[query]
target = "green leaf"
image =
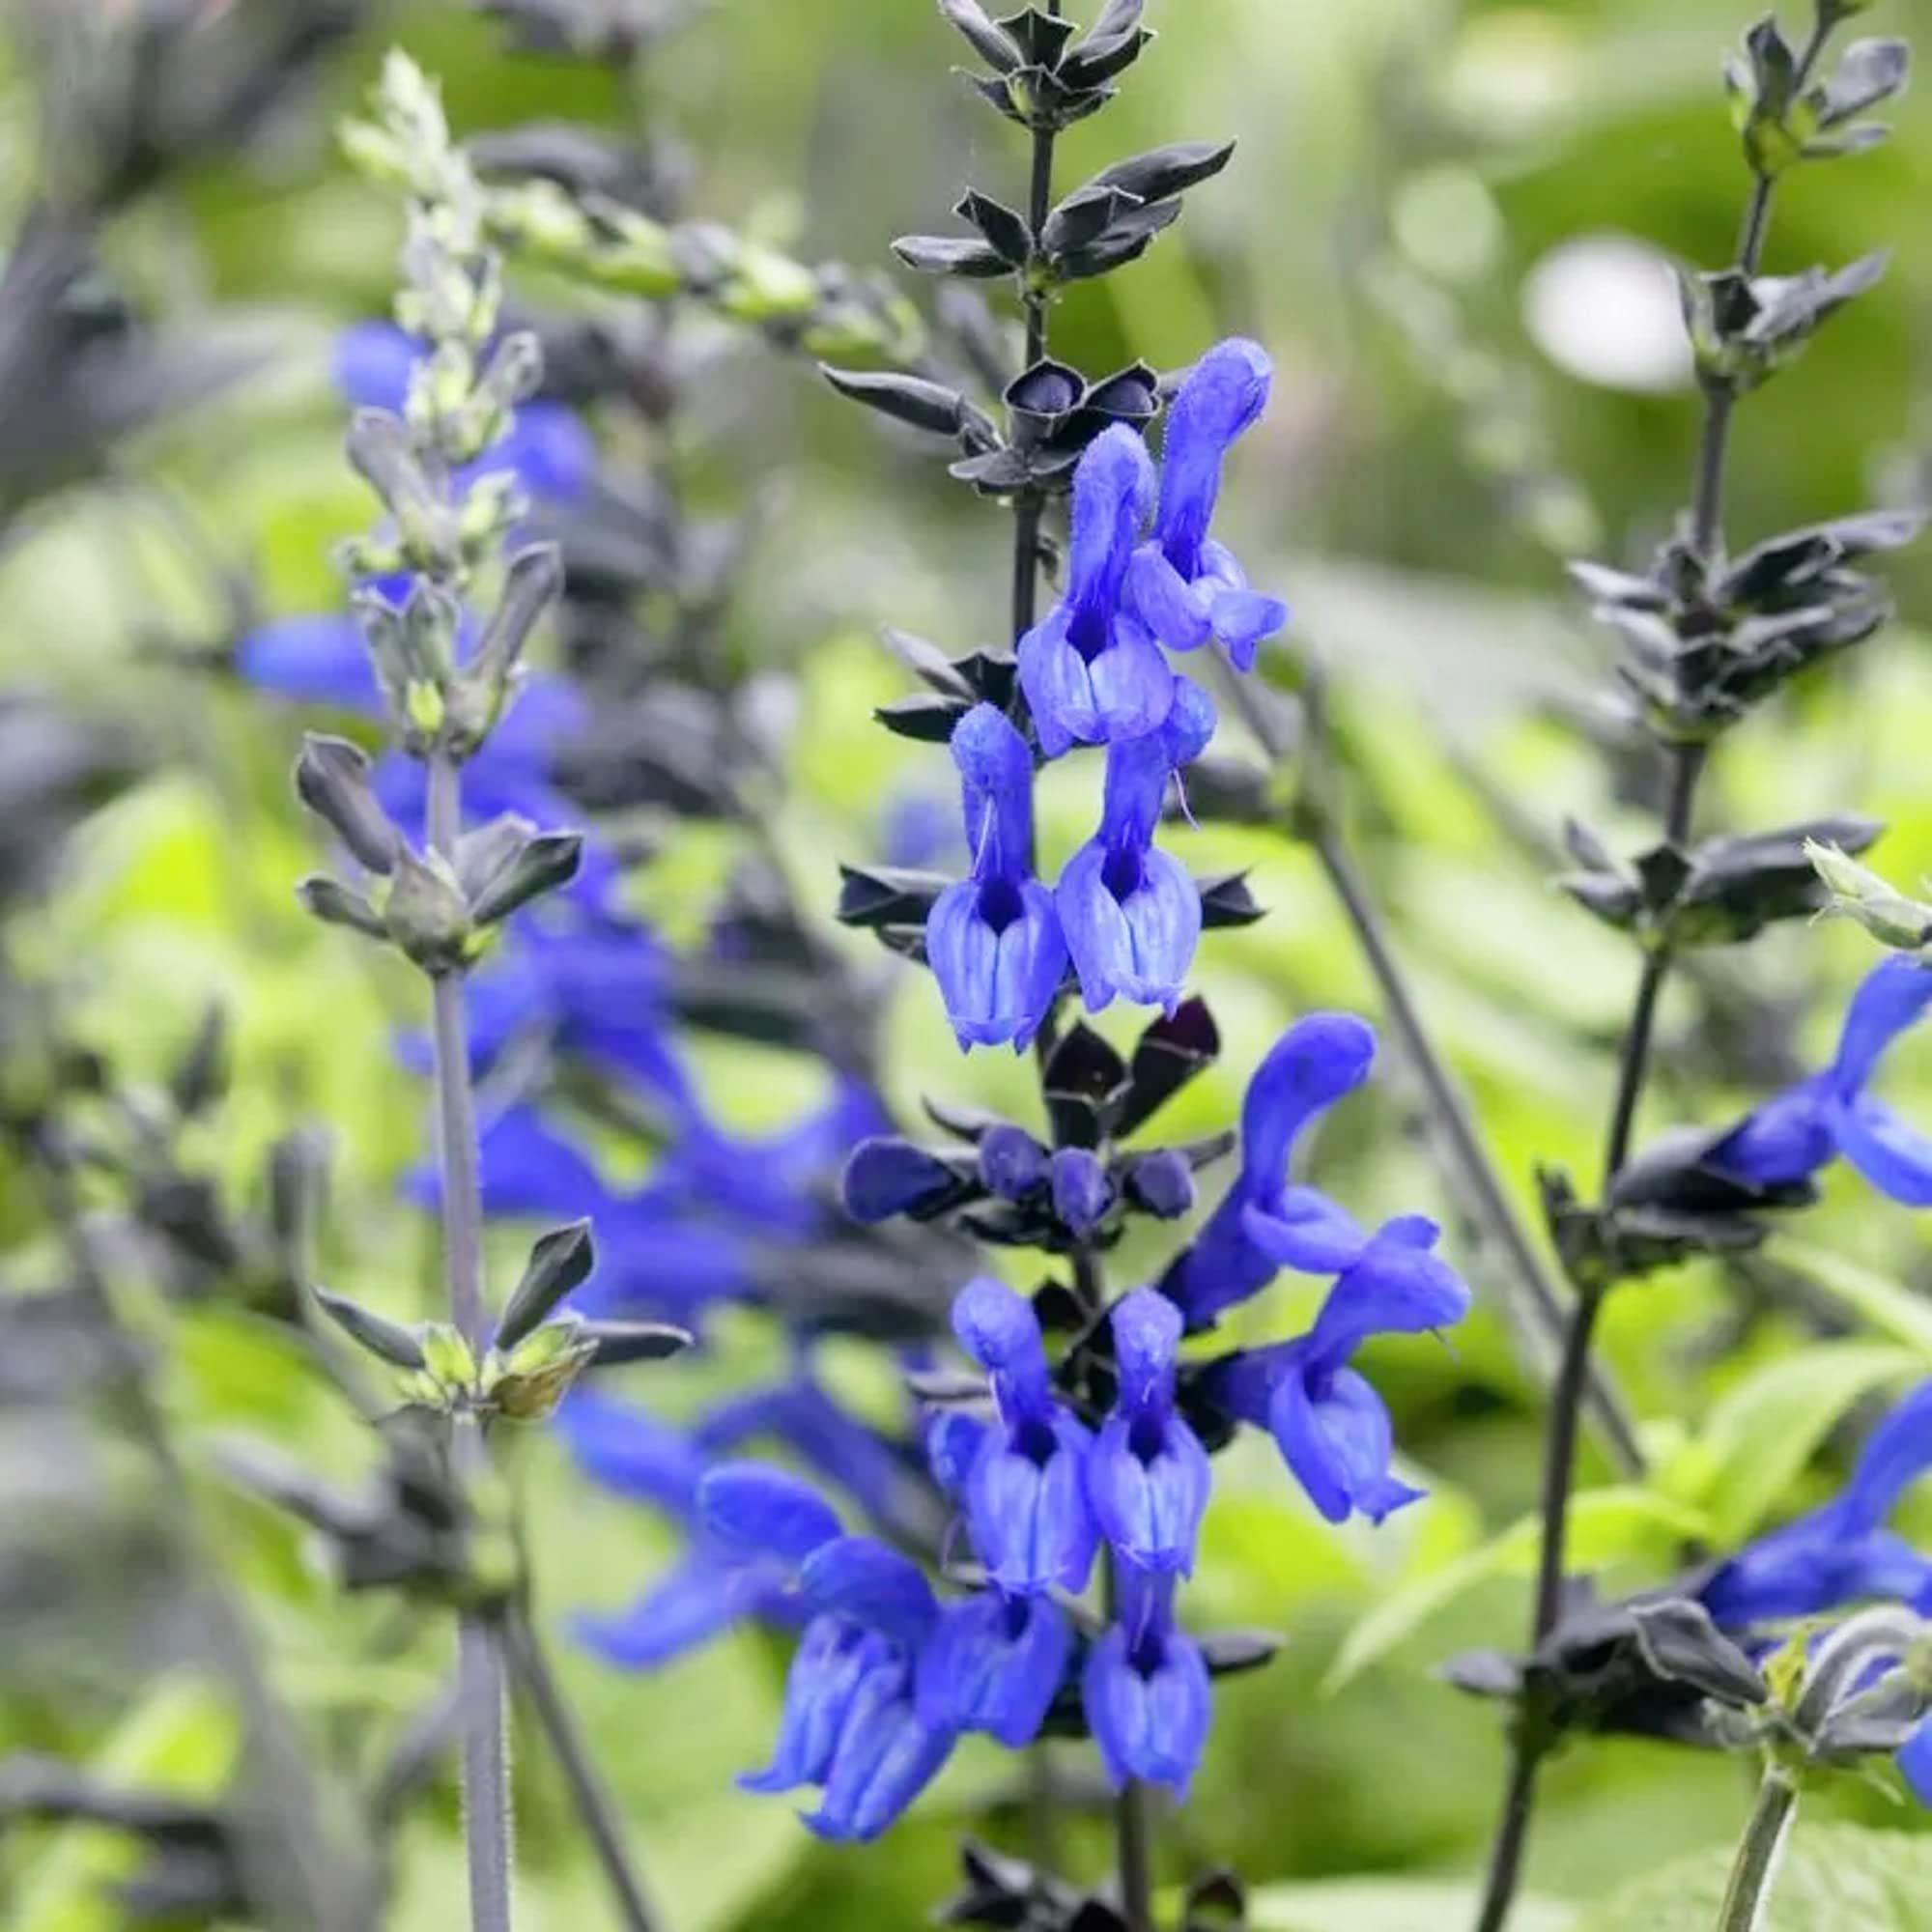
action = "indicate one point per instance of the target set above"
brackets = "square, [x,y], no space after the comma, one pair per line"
[1875,1299]
[1758,1438]
[1390,1905]
[1620,1524]
[1835,1878]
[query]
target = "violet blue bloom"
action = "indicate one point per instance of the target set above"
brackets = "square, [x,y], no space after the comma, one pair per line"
[1147,1474]
[1131,912]
[994,1664]
[1264,1222]
[1092,673]
[993,940]
[1332,1427]
[850,1724]
[1026,1493]
[1802,1130]
[1183,585]
[1146,1689]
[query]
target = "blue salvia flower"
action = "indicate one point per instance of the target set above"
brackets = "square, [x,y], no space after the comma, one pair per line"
[1130,913]
[1265,1223]
[1804,1127]
[1092,673]
[995,1664]
[1332,1427]
[851,1722]
[1146,1475]
[1183,585]
[1146,1689]
[993,940]
[1841,1554]
[1080,1188]
[1026,1491]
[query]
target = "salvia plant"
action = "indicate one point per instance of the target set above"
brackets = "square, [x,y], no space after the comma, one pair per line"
[1003,1547]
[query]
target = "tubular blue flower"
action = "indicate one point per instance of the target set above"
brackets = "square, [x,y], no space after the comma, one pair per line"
[1264,1223]
[1146,1690]
[1146,1476]
[1799,1130]
[1184,586]
[1082,1193]
[994,1664]
[1026,1493]
[993,940]
[1131,912]
[801,1415]
[1090,672]
[1330,1424]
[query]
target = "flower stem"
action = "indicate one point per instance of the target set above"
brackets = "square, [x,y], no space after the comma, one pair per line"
[1685,767]
[594,1805]
[1760,1852]
[1029,502]
[486,1821]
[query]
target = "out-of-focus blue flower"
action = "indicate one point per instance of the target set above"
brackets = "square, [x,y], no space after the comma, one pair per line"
[851,1722]
[1333,1426]
[1131,912]
[1841,1554]
[993,940]
[1802,1128]
[1264,1222]
[1026,1492]
[920,833]
[994,1664]
[1184,586]
[1146,1475]
[1146,1689]
[1092,673]
[548,445]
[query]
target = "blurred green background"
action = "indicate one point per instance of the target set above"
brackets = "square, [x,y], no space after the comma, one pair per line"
[1447,223]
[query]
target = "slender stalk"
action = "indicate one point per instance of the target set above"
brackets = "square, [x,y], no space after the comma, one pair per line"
[487,1822]
[1686,764]
[595,1807]
[1455,1121]
[1760,1852]
[1029,503]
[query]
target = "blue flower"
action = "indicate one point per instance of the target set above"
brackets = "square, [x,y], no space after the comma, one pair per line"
[1131,913]
[1799,1130]
[993,940]
[1090,671]
[1332,1427]
[994,1664]
[851,1722]
[1146,1690]
[1265,1222]
[1184,586]
[1146,1475]
[1026,1492]
[1082,1193]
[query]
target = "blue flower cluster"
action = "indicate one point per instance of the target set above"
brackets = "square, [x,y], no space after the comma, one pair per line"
[1048,1467]
[1094,671]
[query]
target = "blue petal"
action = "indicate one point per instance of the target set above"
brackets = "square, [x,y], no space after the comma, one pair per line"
[1786,1140]
[1892,1153]
[1147,1480]
[695,1601]
[1082,1193]
[997,1327]
[1027,1508]
[750,1509]
[550,450]
[1913,1760]
[994,1664]
[1141,944]
[1809,1567]
[1895,1455]
[995,979]
[1166,601]
[371,365]
[632,1452]
[1059,691]
[1242,619]
[1012,1162]
[1162,1183]
[1223,1267]
[1147,1344]
[888,1176]
[834,1660]
[1113,490]
[996,792]
[1338,1443]
[318,660]
[885,1757]
[1217,402]
[801,1415]
[1891,998]
[1314,1064]
[859,1577]
[1301,1229]
[954,1439]
[1397,1288]
[1149,1715]
[1132,683]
